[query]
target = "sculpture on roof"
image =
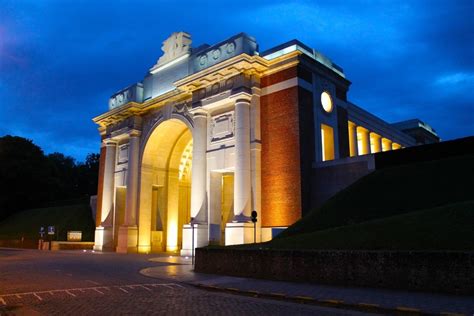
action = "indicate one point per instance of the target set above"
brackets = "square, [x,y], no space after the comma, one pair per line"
[177,45]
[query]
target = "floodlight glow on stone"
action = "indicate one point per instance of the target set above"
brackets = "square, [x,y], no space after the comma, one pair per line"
[326,101]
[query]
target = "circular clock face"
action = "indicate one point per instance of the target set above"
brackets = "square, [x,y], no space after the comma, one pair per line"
[326,101]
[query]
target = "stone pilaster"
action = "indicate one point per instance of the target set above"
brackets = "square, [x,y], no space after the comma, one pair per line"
[199,168]
[103,233]
[241,229]
[128,233]
[198,188]
[242,199]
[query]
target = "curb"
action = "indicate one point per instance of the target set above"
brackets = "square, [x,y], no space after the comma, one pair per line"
[363,306]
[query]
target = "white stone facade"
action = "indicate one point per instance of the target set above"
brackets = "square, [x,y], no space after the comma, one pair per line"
[182,150]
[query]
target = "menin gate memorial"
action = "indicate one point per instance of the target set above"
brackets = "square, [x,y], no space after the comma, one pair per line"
[214,132]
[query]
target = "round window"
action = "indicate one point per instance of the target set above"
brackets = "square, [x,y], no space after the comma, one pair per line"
[326,101]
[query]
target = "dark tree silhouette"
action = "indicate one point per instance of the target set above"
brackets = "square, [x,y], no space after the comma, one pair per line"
[29,179]
[88,173]
[25,175]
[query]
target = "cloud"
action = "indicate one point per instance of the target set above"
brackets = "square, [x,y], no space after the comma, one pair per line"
[60,63]
[458,78]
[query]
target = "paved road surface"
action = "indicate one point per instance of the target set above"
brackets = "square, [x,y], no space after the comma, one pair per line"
[77,283]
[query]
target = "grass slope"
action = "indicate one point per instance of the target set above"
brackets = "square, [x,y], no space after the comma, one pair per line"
[448,227]
[64,218]
[393,191]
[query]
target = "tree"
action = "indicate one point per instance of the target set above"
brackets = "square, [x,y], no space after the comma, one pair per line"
[26,179]
[65,174]
[88,174]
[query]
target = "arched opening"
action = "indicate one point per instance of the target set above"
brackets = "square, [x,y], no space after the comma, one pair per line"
[165,187]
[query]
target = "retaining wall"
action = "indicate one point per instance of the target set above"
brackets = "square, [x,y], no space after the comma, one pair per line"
[449,272]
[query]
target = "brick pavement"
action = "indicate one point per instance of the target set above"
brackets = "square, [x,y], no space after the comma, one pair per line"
[73,283]
[390,300]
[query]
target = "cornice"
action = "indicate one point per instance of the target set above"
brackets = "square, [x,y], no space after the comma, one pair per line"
[241,64]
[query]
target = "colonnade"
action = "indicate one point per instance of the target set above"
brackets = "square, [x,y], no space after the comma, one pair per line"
[362,141]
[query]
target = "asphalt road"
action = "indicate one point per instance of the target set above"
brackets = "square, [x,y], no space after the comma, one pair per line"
[76,283]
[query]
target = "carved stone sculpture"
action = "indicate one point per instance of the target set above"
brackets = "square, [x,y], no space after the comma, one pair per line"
[177,45]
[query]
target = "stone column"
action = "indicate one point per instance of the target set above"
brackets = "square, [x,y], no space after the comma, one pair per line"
[353,139]
[240,231]
[242,200]
[128,233]
[198,189]
[103,233]
[386,144]
[365,150]
[199,167]
[377,140]
[132,179]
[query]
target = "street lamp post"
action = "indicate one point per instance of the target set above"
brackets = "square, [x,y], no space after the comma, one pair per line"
[192,240]
[254,220]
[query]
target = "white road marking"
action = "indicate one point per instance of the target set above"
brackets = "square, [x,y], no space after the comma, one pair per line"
[93,282]
[94,288]
[98,291]
[67,291]
[145,288]
[19,296]
[3,301]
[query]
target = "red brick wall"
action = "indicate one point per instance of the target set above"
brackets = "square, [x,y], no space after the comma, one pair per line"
[281,181]
[279,76]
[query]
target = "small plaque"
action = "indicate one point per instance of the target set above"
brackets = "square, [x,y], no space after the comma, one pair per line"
[74,235]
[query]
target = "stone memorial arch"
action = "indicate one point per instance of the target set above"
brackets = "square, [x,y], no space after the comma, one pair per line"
[215,132]
[168,164]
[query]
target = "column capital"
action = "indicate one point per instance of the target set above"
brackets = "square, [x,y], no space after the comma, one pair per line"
[373,134]
[242,97]
[200,113]
[362,129]
[134,133]
[109,142]
[242,100]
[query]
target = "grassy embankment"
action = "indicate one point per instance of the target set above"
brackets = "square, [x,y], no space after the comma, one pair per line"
[420,206]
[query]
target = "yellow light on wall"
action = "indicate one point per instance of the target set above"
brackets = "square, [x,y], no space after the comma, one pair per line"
[186,158]
[363,140]
[326,102]
[327,142]
[386,144]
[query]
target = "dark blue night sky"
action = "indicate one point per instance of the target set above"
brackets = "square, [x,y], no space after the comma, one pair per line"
[61,60]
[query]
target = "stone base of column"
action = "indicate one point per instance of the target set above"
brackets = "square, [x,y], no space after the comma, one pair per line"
[200,238]
[239,233]
[127,239]
[103,239]
[144,249]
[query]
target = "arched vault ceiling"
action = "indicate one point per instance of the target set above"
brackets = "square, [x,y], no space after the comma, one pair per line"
[166,144]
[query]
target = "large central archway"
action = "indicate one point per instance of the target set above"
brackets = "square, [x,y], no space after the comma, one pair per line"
[165,187]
